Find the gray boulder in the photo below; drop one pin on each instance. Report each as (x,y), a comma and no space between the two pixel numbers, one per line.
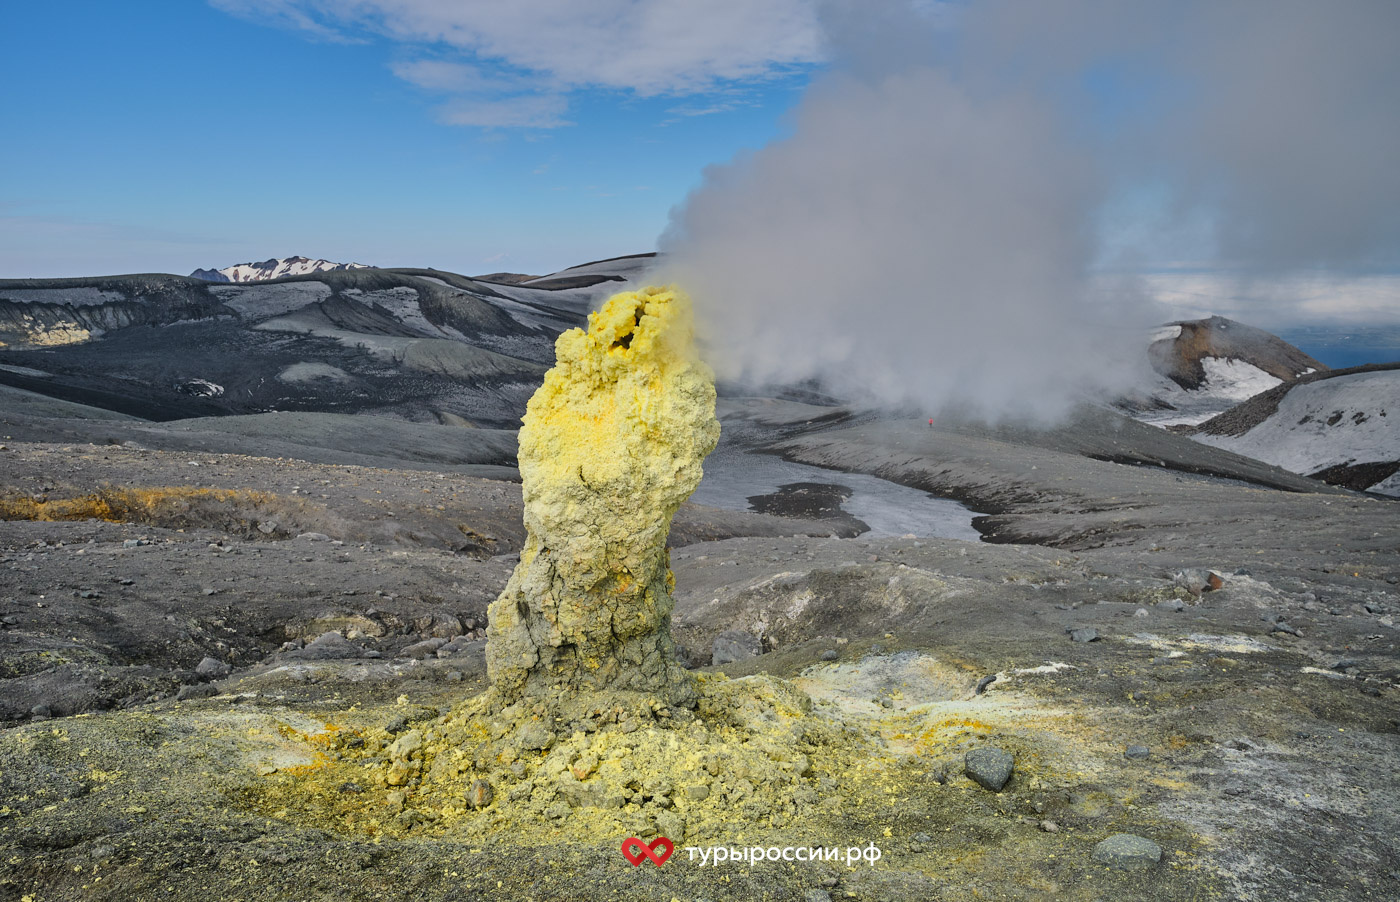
(735,645)
(212,668)
(1127,852)
(327,647)
(425,649)
(989,767)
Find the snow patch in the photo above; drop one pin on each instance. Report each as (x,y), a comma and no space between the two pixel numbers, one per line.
(1340,421)
(278,268)
(1227,377)
(1228,381)
(311,371)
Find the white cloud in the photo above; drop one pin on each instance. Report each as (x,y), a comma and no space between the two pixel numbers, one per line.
(449,77)
(523,111)
(647,46)
(1278,300)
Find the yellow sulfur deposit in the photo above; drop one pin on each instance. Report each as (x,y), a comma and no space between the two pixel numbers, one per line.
(592,731)
(612,444)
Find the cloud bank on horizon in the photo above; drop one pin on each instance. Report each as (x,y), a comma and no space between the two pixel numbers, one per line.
(944,221)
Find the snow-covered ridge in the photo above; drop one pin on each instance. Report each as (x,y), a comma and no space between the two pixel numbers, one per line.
(1346,421)
(277,268)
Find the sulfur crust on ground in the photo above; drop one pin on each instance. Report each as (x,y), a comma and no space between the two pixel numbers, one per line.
(757,761)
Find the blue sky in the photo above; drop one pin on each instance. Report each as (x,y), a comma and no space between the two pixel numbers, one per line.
(1238,163)
(165,135)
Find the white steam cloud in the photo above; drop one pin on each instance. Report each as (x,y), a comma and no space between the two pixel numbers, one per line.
(932,231)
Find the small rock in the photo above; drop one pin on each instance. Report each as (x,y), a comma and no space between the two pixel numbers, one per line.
(397,725)
(1084,634)
(212,668)
(405,745)
(983,683)
(536,737)
(923,838)
(455,646)
(1175,604)
(328,647)
(1137,752)
(480,794)
(735,645)
(351,786)
(1141,612)
(420,650)
(1198,581)
(989,767)
(817,895)
(1282,626)
(1127,852)
(43,712)
(1049,826)
(192,692)
(439,625)
(454,676)
(89,593)
(396,798)
(399,772)
(314,537)
(830,655)
(697,792)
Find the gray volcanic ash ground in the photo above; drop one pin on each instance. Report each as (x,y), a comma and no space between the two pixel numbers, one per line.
(247,525)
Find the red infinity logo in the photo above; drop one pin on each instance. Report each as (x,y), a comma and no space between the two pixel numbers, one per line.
(634,850)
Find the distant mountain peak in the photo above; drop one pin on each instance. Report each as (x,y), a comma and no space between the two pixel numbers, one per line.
(277,268)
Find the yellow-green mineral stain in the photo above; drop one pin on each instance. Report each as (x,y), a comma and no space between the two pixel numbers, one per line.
(611,445)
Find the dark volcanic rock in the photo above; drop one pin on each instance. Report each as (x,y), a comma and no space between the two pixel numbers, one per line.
(989,767)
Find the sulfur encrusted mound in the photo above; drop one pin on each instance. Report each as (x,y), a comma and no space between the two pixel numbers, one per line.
(612,444)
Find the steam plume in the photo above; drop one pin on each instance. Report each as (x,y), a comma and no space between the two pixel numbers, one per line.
(933,229)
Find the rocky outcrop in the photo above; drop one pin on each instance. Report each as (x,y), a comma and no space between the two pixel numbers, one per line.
(612,444)
(1182,357)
